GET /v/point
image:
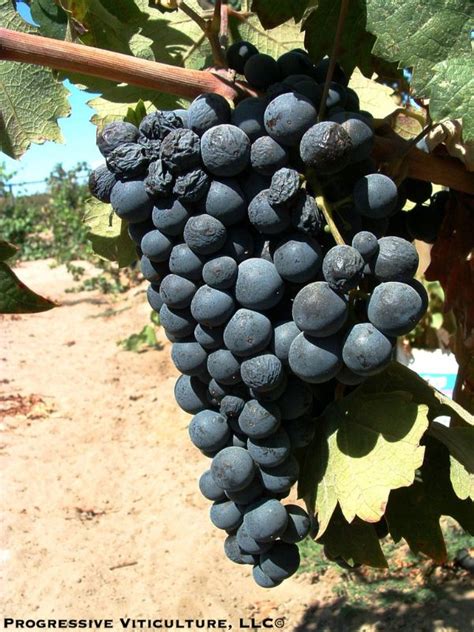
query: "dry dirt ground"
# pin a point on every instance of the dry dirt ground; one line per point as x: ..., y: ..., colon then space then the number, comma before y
x: 101, y: 513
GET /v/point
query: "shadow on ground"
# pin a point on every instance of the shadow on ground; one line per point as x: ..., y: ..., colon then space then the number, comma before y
x: 435, y: 609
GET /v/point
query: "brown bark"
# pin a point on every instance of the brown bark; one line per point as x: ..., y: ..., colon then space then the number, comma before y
x: 96, y: 62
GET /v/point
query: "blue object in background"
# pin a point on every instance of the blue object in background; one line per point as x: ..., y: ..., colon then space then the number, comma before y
x: 443, y: 382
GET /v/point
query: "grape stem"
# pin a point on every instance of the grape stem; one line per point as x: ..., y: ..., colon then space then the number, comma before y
x: 327, y: 212
x: 191, y: 13
x: 224, y: 25
x: 333, y: 57
x: 96, y: 62
x: 211, y: 29
x: 355, y: 294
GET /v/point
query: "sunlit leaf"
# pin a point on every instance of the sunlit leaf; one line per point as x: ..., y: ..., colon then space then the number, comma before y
x: 108, y: 234
x: 461, y: 480
x: 433, y: 37
x: 372, y: 446
x: 31, y: 100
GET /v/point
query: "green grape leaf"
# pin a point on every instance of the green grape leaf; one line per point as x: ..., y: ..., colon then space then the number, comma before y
x: 133, y: 27
x: 435, y: 474
x: 356, y: 43
x: 458, y: 440
x: 116, y: 26
x: 373, y: 96
x: 374, y: 434
x: 50, y: 17
x: 451, y: 92
x: 16, y: 297
x: 171, y: 38
x: 136, y: 33
x: 273, y: 13
x: 7, y: 250
x: 371, y: 446
x: 104, y: 24
x: 461, y: 480
x: 355, y: 542
x: 108, y: 234
x: 31, y: 100
x: 431, y: 497
x: 433, y: 37
x: 423, y: 533
x: 420, y: 33
x: 132, y: 12
x: 11, y: 19
x: 136, y: 114
x: 272, y: 42
x: 184, y: 40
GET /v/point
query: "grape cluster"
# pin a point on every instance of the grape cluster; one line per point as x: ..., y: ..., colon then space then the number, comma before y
x: 266, y: 314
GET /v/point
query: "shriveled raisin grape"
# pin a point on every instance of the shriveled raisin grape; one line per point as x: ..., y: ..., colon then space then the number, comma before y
x: 181, y: 150
x: 159, y: 181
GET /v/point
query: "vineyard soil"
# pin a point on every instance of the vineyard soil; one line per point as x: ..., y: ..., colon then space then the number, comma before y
x: 103, y: 518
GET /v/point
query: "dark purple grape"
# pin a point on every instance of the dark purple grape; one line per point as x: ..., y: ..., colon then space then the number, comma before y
x: 115, y: 134
x: 127, y: 161
x: 159, y: 181
x: 267, y: 219
x: 266, y: 156
x: 130, y: 201
x: 261, y: 70
x: 204, y: 234
x: 192, y: 186
x: 248, y: 115
x: 417, y: 191
x: 101, y: 183
x: 225, y: 150
x: 343, y: 267
x: 375, y: 196
x: 288, y: 117
x: 181, y: 150
x: 306, y: 216
x: 326, y: 147
x: 170, y: 216
x: 284, y: 187
x: 206, y: 111
x: 238, y: 54
x: 157, y: 125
